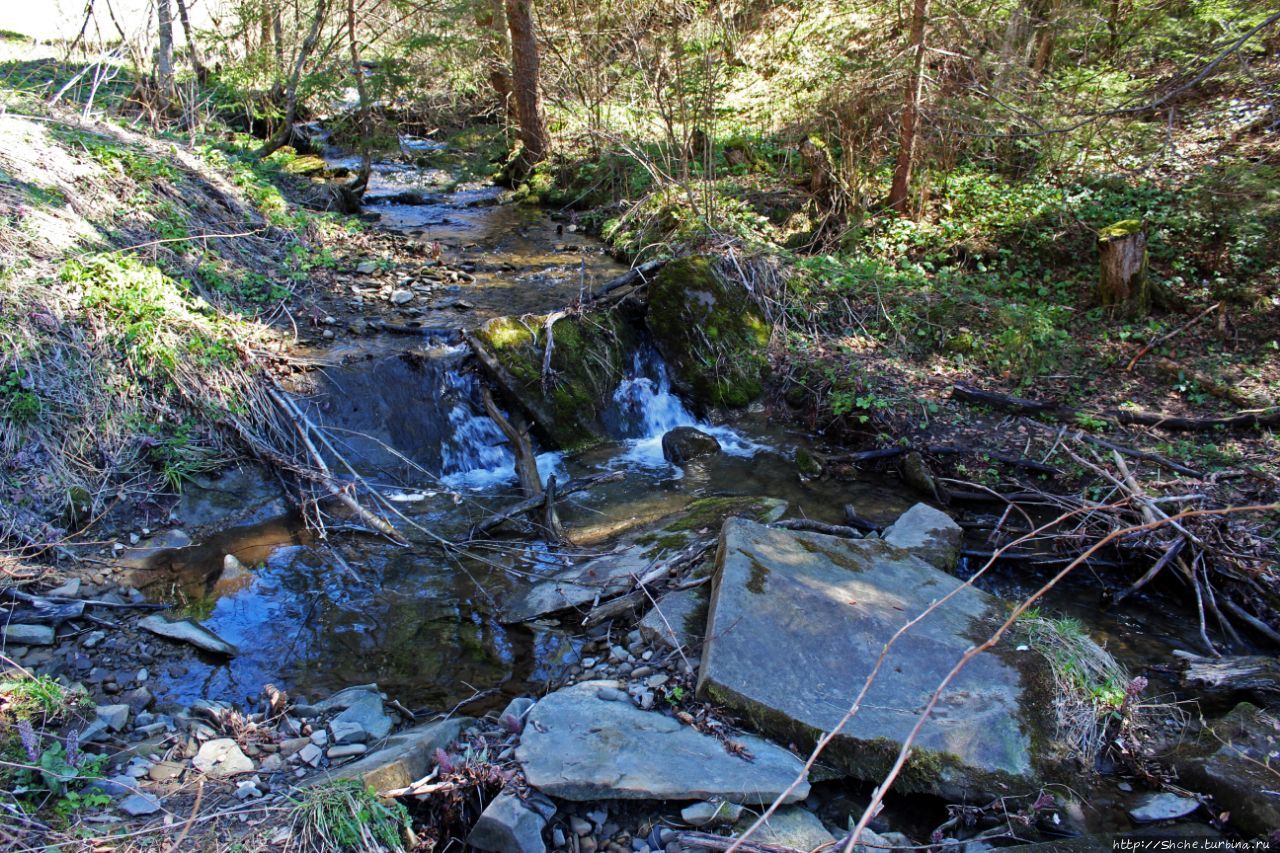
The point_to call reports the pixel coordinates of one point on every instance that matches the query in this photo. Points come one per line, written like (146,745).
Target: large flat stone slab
(580,746)
(405,758)
(796,623)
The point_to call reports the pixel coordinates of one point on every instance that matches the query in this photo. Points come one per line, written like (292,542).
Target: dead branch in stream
(536,502)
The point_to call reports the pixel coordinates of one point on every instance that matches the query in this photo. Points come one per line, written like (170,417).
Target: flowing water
(426,626)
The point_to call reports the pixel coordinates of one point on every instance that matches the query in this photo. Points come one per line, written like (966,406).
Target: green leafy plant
(347,815)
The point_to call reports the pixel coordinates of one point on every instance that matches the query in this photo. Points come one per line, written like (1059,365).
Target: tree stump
(1123,287)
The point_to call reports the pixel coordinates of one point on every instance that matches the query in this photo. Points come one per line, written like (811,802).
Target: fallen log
(1230,675)
(635,276)
(533,503)
(1020,405)
(508,384)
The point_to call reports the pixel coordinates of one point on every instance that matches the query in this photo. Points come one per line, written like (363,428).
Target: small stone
(656,681)
(1163,806)
(165,771)
(366,267)
(311,754)
(115,716)
(272,763)
(346,750)
(293,745)
(710,814)
(579,826)
(587,663)
(401,297)
(70,589)
(588,844)
(92,639)
(648,655)
(320,737)
(247,791)
(610,694)
(617,654)
(642,672)
(28,635)
(557,837)
(140,804)
(597,818)
(142,675)
(345,731)
(222,757)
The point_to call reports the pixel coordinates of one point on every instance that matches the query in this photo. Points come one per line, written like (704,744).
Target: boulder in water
(929,534)
(796,623)
(684,443)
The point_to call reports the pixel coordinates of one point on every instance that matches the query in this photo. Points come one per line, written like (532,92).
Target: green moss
(807,463)
(587,363)
(1123,228)
(711,334)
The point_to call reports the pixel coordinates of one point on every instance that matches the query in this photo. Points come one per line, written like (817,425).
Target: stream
(407,413)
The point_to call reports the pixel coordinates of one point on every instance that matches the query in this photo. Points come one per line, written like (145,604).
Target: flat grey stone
(1163,806)
(222,757)
(405,758)
(367,714)
(311,754)
(188,631)
(510,825)
(677,620)
(115,716)
(140,804)
(794,827)
(29,635)
(345,731)
(927,533)
(577,746)
(796,623)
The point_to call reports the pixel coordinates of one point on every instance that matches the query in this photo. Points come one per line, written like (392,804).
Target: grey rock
(29,635)
(93,638)
(320,737)
(346,750)
(222,757)
(677,620)
(115,716)
(1163,806)
(578,826)
(311,754)
(796,623)
(344,699)
(366,713)
(140,804)
(367,267)
(164,771)
(401,297)
(578,584)
(247,790)
(404,758)
(610,694)
(510,825)
(927,533)
(710,814)
(792,827)
(1234,762)
(684,443)
(188,631)
(577,746)
(344,732)
(517,710)
(117,786)
(69,589)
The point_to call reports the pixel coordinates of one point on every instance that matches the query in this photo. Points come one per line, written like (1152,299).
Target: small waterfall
(645,409)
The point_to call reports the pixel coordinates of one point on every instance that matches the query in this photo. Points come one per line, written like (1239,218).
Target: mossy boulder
(712,335)
(588,360)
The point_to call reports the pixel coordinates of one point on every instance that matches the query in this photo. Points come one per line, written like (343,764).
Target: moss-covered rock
(712,335)
(588,361)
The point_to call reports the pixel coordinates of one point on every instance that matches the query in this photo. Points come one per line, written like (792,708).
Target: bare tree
(910,111)
(524,62)
(357,184)
(202,73)
(164,60)
(285,130)
(491,17)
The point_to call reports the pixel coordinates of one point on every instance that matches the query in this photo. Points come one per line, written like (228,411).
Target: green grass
(346,815)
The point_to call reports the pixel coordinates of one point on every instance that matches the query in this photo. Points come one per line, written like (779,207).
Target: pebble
(401,297)
(648,655)
(320,737)
(610,694)
(347,749)
(656,681)
(310,754)
(588,844)
(140,804)
(247,791)
(641,671)
(579,826)
(163,771)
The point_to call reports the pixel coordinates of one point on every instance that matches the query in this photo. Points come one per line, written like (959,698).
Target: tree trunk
(357,184)
(491,17)
(1123,286)
(910,111)
(202,73)
(285,131)
(164,60)
(524,62)
(277,31)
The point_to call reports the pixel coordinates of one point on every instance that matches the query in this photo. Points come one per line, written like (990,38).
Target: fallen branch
(1231,675)
(535,502)
(812,526)
(637,276)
